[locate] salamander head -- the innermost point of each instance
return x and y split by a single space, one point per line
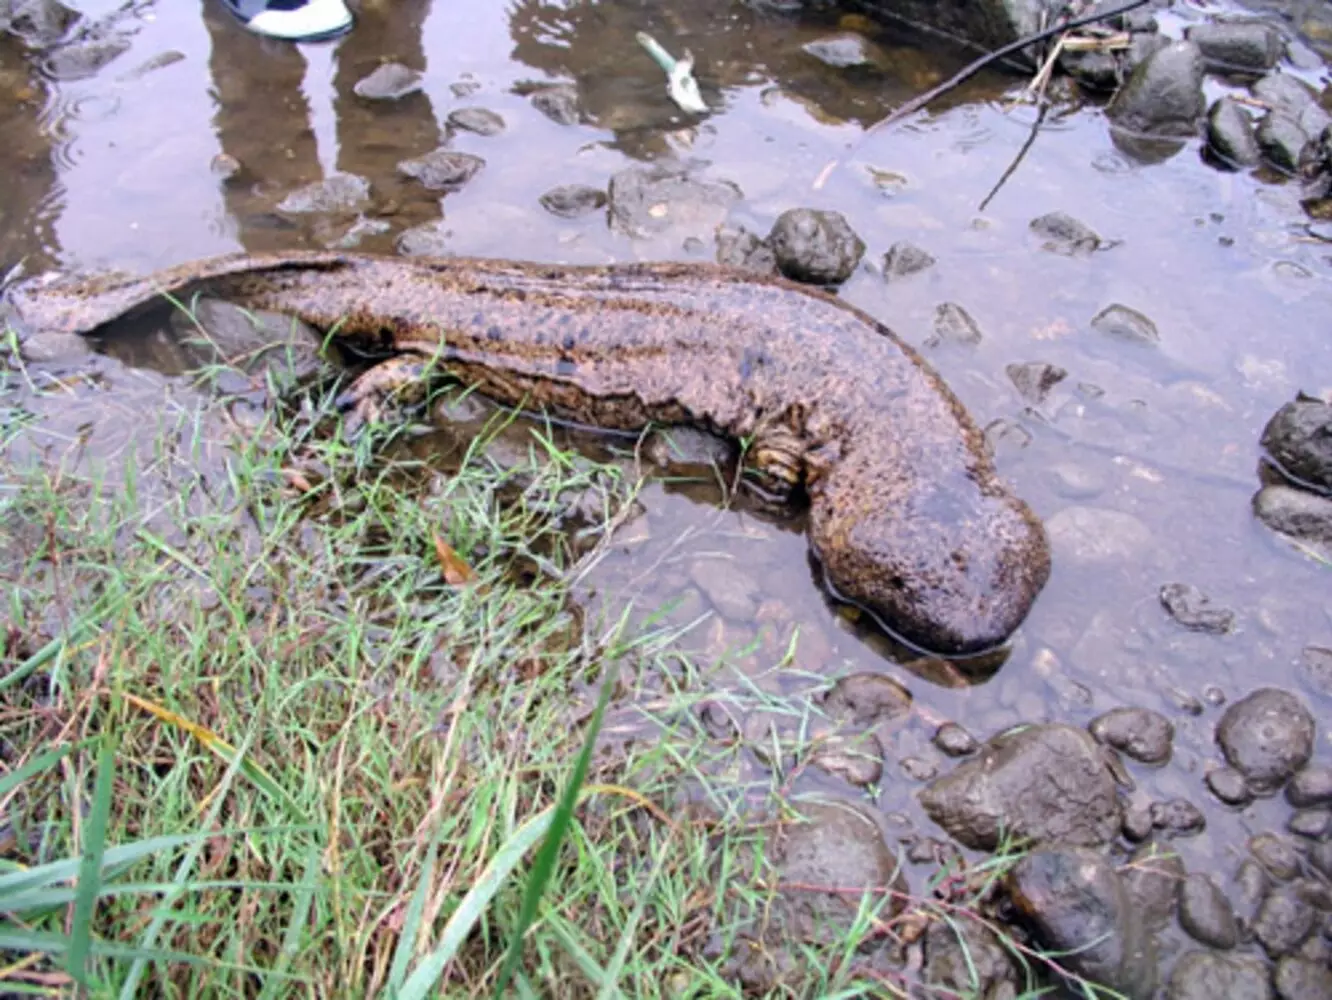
953 577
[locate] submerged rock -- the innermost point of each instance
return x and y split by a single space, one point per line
903 259
1123 323
1193 609
952 740
1139 733
1077 905
1064 234
867 699
341 194
1302 979
650 201
1230 133
1236 46
1267 736
1163 96
738 247
1311 787
1034 379
1205 914
966 958
1297 513
1298 439
1209 975
815 246
1049 783
570 201
389 82
39 24
1284 921
559 103
481 121
1315 668
847 50
954 325
443 169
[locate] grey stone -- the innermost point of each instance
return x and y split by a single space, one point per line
1179 817
954 325
847 50
430 239
1064 234
1312 824
1139 733
738 247
1123 323
1315 669
1163 95
1267 736
651 201
1297 513
442 170
1204 975
1311 787
481 121
954 741
1034 379
1278 855
965 958
1194 610
1245 47
1229 786
336 194
1230 133
815 246
1048 783
1205 914
1284 921
904 259
1284 93
389 82
1301 979
867 699
733 592
1298 439
569 201
559 103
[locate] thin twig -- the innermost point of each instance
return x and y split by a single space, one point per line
1017 160
967 72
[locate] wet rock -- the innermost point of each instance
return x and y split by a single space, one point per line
1124 323
815 246
1095 536
1301 979
442 170
1282 140
1205 975
481 121
1278 855
389 82
1137 825
847 50
837 847
39 24
1315 669
867 699
1284 921
1284 94
738 247
904 259
1267 736
1311 787
733 592
1236 46
1073 481
337 194
84 58
688 451
1163 96
1178 817
1313 824
569 201
1205 914
1229 786
1320 856
966 958
954 741
1076 904
1034 379
1139 733
1063 234
1230 133
1193 609
430 239
1298 439
1297 513
1048 783
857 759
1094 69
219 333
1152 878
1002 436
953 325
648 201
558 103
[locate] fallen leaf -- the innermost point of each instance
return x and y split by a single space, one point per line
456 570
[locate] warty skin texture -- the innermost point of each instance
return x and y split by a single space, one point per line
908 517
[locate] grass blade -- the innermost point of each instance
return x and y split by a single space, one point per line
39 763
90 869
411 926
300 913
544 865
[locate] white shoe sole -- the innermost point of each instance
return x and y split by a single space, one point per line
317 20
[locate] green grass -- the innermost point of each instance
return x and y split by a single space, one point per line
259 740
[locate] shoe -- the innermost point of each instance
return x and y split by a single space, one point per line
293 20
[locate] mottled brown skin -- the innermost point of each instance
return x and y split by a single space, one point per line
908 517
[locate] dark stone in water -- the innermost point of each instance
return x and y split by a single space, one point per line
1267 736
1139 733
1311 787
903 259
847 50
569 201
1048 783
1301 979
954 741
1294 512
1123 323
1193 609
1034 379
1179 817
482 121
1298 439
1163 96
1230 133
339 194
1204 975
1064 234
1243 47
954 325
1312 824
39 24
1093 69
1205 914
1315 667
815 246
867 699
83 59
1284 921
1277 855
442 170
1229 786
558 103
1282 140
1137 825
389 82
1076 904
1152 878
650 201
738 247
1284 93
688 451
965 958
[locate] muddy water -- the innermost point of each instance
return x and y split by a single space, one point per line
1142 459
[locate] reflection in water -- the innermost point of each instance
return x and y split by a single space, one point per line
30 190
263 120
